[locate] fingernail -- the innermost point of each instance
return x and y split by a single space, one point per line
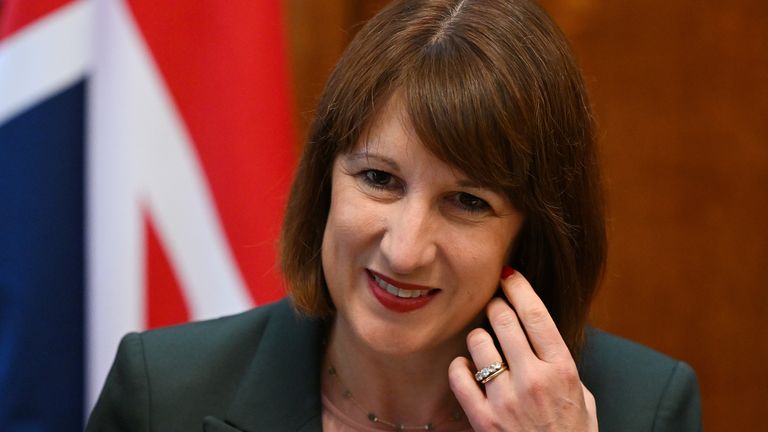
506 272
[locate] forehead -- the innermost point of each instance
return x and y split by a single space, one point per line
391 119
390 138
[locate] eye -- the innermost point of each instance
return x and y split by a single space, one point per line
471 203
377 179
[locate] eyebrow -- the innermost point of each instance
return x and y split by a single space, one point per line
469 183
366 156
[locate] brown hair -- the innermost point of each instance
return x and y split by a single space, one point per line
492 89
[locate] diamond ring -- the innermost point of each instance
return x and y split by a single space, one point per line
490 372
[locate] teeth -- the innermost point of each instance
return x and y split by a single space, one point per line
397 291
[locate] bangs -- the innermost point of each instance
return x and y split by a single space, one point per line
463 113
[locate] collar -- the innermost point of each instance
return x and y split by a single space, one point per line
281 388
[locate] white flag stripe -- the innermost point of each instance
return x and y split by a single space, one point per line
115 244
44 58
141 156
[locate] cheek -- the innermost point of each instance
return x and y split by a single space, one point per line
478 262
483 271
352 224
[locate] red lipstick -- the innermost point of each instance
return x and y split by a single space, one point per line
395 303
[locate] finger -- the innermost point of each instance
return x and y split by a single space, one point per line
589 399
535 318
591 406
461 377
484 353
509 332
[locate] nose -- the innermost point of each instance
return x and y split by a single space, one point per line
409 242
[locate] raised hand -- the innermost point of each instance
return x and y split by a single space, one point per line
541 389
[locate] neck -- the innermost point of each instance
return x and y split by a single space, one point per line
410 389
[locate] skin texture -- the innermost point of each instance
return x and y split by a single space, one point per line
399 211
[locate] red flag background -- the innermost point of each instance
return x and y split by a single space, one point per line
225 67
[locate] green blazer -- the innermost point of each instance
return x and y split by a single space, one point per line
260 371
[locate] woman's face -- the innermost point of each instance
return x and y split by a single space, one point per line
413 248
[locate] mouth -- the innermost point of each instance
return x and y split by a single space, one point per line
399 292
399 296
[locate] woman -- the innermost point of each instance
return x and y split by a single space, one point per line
453 144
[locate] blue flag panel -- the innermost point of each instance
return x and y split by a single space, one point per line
42 265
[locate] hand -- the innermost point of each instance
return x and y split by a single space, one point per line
541 391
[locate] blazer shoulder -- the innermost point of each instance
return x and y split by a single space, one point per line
207 334
206 354
637 388
181 373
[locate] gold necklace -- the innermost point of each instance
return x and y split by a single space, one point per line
373 418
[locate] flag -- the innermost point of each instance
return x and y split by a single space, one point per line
145 154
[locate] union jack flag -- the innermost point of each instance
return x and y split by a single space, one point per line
146 150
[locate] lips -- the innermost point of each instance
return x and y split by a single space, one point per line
399 296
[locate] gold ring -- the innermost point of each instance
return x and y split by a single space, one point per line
490 372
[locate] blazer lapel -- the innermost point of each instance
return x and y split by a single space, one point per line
213 424
281 390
